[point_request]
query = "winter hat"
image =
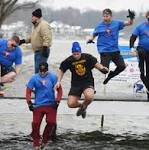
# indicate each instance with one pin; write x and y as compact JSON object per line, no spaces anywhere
{"x":37,"y":13}
{"x":76,"y":47}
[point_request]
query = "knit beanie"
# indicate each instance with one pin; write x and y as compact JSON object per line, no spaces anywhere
{"x":76,"y":47}
{"x":37,"y":13}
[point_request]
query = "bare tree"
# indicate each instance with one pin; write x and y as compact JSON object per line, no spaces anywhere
{"x":7,"y":7}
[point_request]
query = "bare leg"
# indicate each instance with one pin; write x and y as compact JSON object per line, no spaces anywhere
{"x":89,"y":96}
{"x":10,"y":77}
{"x":73,"y":101}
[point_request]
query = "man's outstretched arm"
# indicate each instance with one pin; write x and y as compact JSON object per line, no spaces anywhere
{"x":131,"y":16}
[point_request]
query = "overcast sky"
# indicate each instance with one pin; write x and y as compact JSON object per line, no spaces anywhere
{"x":117,"y":5}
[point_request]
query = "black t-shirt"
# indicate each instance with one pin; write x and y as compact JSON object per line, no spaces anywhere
{"x":81,"y":69}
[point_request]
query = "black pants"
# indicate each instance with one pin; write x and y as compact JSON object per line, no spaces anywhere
{"x":116,"y":58}
{"x":143,"y":56}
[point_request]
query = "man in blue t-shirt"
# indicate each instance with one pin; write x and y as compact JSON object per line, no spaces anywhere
{"x":45,"y":103}
{"x":107,"y":33}
{"x":142,"y":31}
{"x":10,"y":54}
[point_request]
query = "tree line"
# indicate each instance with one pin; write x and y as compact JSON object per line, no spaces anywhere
{"x":71,"y":16}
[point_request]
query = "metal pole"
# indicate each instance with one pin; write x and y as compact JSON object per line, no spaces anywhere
{"x":102,"y":120}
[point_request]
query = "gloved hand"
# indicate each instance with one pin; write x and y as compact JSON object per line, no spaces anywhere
{"x":90,"y":41}
{"x":22,"y":41}
{"x":45,"y":52}
{"x":131,"y":14}
{"x":30,"y":106}
{"x":104,"y":70}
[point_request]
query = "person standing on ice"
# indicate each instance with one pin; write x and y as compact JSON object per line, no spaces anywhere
{"x":45,"y":104}
{"x":40,"y":38}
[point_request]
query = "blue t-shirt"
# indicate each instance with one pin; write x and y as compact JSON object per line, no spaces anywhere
{"x":142,"y":31}
{"x":108,"y":33}
{"x":8,"y":57}
{"x":44,"y":89}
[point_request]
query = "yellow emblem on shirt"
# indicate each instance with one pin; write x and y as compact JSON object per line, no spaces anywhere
{"x":80,"y":67}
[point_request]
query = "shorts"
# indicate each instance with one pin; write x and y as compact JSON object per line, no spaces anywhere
{"x":77,"y":90}
{"x":6,"y":70}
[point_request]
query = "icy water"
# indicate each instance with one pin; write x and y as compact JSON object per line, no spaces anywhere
{"x":119,"y":133}
{"x":126,"y":124}
{"x":95,"y":140}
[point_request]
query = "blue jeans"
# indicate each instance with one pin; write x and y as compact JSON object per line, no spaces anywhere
{"x":39,"y":58}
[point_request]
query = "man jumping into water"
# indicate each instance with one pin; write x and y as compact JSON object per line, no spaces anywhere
{"x":82,"y":81}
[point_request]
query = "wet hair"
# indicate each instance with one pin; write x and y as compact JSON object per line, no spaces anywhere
{"x":43,"y":67}
{"x":16,"y":39}
{"x":107,"y":11}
